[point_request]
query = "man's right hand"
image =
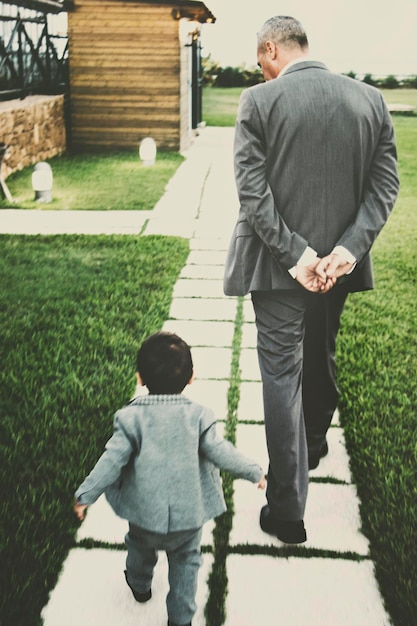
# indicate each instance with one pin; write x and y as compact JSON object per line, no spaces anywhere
{"x":333,"y":266}
{"x":315,"y":282}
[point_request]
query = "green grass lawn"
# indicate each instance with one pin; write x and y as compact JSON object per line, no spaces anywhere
{"x":73,"y":312}
{"x":377,"y":356}
{"x":400,"y":96}
{"x":220,"y":105}
{"x":90,"y":181}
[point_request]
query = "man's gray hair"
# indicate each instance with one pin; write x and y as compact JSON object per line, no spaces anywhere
{"x":283,"y":30}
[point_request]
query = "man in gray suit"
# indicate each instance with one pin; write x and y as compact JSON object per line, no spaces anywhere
{"x":316,"y":174}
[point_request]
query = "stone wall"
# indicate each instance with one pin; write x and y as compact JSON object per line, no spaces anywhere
{"x":34,"y":130}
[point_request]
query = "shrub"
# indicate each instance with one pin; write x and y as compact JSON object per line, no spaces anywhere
{"x":369,"y":80}
{"x":390,"y":82}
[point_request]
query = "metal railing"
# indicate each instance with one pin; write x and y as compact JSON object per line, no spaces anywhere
{"x":32,"y":59}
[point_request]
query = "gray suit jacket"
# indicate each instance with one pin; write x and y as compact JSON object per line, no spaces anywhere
{"x":315,"y":164}
{"x":160,"y":467}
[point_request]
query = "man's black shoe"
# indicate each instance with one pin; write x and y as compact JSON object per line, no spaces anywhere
{"x":288,"y":532}
{"x":139,"y":597}
{"x":174,"y":624}
{"x":314,"y":461}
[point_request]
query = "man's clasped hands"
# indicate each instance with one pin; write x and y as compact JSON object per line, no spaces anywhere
{"x":321,"y":275}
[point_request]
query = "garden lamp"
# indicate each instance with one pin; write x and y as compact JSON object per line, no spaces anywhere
{"x":147,"y":151}
{"x":42,"y":180}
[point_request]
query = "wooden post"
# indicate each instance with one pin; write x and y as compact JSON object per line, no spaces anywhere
{"x":4,"y":153}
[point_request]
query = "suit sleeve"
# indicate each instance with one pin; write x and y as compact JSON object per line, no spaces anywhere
{"x":225,"y":456}
{"x":255,"y":195}
{"x":107,"y":470}
{"x":379,"y":195}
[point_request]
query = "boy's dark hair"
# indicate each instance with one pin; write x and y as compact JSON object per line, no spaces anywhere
{"x":164,"y":363}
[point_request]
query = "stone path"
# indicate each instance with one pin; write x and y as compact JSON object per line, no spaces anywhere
{"x":329,"y":581}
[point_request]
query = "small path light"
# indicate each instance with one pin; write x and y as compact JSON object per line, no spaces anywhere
{"x":147,"y":151}
{"x":42,"y":180}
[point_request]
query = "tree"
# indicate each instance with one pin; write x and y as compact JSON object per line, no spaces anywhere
{"x":410,"y":81}
{"x":390,"y":82}
{"x":210,"y":70}
{"x":369,"y":80}
{"x":230,"y":77}
{"x":254,"y":76}
{"x":238,"y":77}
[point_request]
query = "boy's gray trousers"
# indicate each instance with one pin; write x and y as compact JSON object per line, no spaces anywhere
{"x":184,"y":560}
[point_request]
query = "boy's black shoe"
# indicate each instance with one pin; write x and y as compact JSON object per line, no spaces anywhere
{"x":288,"y":532}
{"x":314,"y":461}
{"x":139,"y":597}
{"x":174,"y":624}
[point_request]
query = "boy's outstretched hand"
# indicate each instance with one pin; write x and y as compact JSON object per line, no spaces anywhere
{"x":79,"y":510}
{"x":262,"y":483}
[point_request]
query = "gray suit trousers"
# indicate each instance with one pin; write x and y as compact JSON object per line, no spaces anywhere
{"x":184,"y":559}
{"x":296,"y":350}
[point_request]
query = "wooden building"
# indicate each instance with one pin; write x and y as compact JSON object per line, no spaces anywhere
{"x":135,"y":72}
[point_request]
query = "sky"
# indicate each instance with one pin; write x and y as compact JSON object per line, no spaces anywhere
{"x":378,"y":37}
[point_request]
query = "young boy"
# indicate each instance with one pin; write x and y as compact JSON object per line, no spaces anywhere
{"x":160,"y":471}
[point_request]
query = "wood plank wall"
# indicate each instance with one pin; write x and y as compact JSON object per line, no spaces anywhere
{"x":125,"y":76}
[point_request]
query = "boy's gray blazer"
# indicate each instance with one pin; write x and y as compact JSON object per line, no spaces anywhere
{"x":315,"y":164}
{"x":160,"y":467}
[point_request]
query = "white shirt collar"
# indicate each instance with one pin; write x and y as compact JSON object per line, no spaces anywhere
{"x":291,"y":63}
